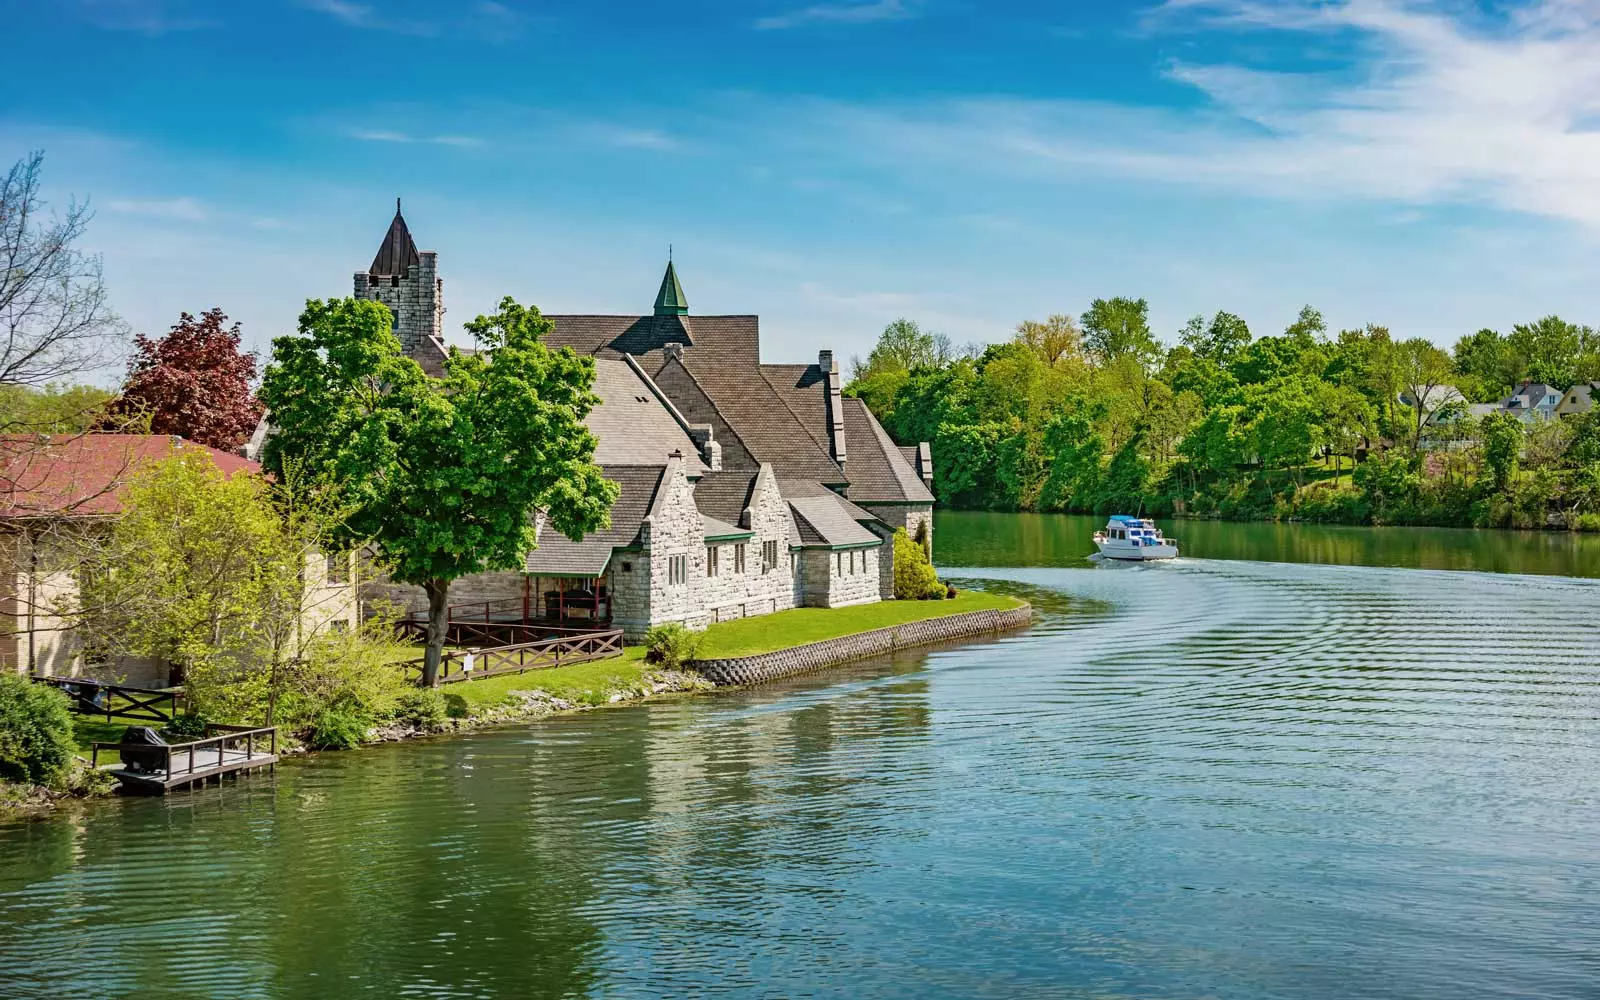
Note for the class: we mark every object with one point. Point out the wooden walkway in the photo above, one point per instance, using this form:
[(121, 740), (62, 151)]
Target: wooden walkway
[(235, 750)]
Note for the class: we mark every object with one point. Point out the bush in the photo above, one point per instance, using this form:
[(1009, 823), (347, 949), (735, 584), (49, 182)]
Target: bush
[(35, 732), (188, 726), (422, 708), (338, 729), (914, 578), (455, 706), (671, 646)]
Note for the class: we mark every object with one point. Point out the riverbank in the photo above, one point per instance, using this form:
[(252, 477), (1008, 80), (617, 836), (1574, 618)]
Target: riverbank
[(628, 679)]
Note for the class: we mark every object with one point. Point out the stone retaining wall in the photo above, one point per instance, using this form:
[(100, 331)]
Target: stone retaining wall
[(829, 652)]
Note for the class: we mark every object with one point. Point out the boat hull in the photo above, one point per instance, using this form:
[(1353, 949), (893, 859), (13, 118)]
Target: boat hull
[(1138, 553)]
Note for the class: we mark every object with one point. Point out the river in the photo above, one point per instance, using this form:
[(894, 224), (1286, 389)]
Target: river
[(1207, 778)]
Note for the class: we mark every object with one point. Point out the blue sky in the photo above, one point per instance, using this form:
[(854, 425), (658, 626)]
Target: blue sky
[(1432, 166)]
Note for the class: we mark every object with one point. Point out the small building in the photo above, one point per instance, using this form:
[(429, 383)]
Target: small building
[(1579, 399), (746, 487), (55, 488), (1532, 401)]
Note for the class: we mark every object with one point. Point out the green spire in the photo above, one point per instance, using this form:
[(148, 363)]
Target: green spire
[(670, 300)]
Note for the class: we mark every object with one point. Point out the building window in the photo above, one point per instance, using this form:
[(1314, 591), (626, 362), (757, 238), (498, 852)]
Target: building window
[(338, 567), (711, 560), (677, 570), (339, 625), (769, 557), (838, 564), (738, 558)]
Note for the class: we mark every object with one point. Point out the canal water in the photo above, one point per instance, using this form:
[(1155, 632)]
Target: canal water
[(1208, 778)]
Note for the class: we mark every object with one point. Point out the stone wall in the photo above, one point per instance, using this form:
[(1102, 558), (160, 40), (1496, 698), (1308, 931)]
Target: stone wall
[(730, 595), (416, 300), (674, 528), (830, 652), (912, 518), (474, 588)]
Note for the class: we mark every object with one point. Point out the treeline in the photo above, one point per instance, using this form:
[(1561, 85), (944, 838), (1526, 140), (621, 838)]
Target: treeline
[(1094, 415)]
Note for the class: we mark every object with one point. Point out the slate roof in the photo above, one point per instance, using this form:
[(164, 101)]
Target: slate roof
[(81, 475), (558, 555), (803, 488), (397, 251), (878, 469), (725, 495), (632, 425), (763, 420), (728, 340), (824, 520), (722, 529)]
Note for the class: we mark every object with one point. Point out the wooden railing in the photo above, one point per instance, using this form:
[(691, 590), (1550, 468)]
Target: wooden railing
[(472, 633), (230, 745), (99, 698), (518, 657)]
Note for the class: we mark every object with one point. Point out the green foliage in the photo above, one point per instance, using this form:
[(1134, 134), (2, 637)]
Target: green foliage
[(54, 409), (442, 475), (671, 646), (338, 729), (36, 742), (455, 706), (914, 576), (423, 708), (188, 726), (1502, 444)]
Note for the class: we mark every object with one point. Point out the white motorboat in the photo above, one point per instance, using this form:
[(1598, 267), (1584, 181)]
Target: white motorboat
[(1134, 539)]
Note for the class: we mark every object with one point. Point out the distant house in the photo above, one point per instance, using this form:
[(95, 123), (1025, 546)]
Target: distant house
[(1579, 399), (746, 487), (1532, 401), (79, 481)]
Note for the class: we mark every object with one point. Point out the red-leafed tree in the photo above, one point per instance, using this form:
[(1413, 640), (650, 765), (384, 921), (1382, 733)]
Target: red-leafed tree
[(194, 382)]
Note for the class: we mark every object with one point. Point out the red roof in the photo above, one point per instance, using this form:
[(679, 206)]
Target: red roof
[(76, 475)]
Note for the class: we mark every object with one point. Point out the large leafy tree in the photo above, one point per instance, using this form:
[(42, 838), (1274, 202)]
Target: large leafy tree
[(1119, 327), (194, 382), (443, 476)]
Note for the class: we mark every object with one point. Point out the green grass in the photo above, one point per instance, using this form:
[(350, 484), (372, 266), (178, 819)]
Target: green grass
[(577, 682), (592, 682), (766, 633)]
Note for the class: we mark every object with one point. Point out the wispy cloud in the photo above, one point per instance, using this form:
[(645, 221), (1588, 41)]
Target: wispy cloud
[(178, 209), (839, 13), (1429, 107), (384, 135), (145, 17), (633, 138), (488, 20)]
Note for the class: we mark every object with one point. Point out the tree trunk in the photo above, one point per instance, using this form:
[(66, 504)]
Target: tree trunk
[(438, 592)]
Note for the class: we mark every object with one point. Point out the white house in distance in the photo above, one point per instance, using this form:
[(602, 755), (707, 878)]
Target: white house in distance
[(746, 487)]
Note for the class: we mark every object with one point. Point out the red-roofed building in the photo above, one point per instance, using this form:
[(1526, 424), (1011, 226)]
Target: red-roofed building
[(48, 482)]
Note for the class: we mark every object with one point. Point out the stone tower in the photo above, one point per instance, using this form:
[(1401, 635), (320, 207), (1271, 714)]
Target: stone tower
[(408, 283)]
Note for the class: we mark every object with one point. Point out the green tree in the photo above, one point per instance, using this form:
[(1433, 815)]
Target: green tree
[(903, 346), (443, 476), (1502, 445), (1220, 340), (1487, 366), (1119, 327), (1056, 339), (1425, 374), (35, 732), (1551, 350)]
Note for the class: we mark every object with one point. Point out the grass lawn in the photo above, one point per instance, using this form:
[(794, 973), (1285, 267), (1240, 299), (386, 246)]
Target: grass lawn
[(592, 682), (763, 634)]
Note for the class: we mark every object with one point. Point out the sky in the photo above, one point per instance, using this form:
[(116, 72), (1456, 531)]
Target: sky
[(1430, 166)]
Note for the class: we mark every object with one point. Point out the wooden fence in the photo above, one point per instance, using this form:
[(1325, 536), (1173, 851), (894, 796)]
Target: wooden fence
[(98, 698), (518, 657)]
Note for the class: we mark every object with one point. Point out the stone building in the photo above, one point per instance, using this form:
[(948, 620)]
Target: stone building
[(746, 487)]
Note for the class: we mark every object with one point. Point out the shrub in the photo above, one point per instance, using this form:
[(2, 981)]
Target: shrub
[(35, 732), (422, 708), (338, 729), (914, 578), (188, 726), (671, 646), (455, 706)]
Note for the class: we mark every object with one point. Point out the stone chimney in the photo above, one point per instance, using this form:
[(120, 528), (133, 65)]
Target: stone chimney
[(703, 435), (830, 373), (673, 351)]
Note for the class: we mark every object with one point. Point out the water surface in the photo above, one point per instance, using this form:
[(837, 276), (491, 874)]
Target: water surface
[(1195, 779)]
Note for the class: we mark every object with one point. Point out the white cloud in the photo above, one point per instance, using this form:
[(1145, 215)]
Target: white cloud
[(838, 13), (145, 17), (180, 209), (1429, 108), (384, 135)]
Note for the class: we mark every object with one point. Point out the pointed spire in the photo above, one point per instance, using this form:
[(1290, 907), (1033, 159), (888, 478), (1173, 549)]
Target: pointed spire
[(397, 251), (670, 300)]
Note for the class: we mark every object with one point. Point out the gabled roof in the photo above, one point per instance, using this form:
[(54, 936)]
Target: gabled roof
[(397, 251), (715, 529), (84, 475), (823, 520), (725, 340), (558, 555), (804, 488), (631, 424), (725, 495), (877, 468)]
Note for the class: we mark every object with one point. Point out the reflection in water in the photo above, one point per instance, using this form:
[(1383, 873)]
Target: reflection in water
[(1202, 778), (984, 538)]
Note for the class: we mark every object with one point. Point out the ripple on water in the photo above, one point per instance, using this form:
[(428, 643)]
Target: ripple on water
[(1197, 779)]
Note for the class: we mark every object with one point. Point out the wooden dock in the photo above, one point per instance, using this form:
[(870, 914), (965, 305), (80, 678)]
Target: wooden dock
[(161, 769)]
